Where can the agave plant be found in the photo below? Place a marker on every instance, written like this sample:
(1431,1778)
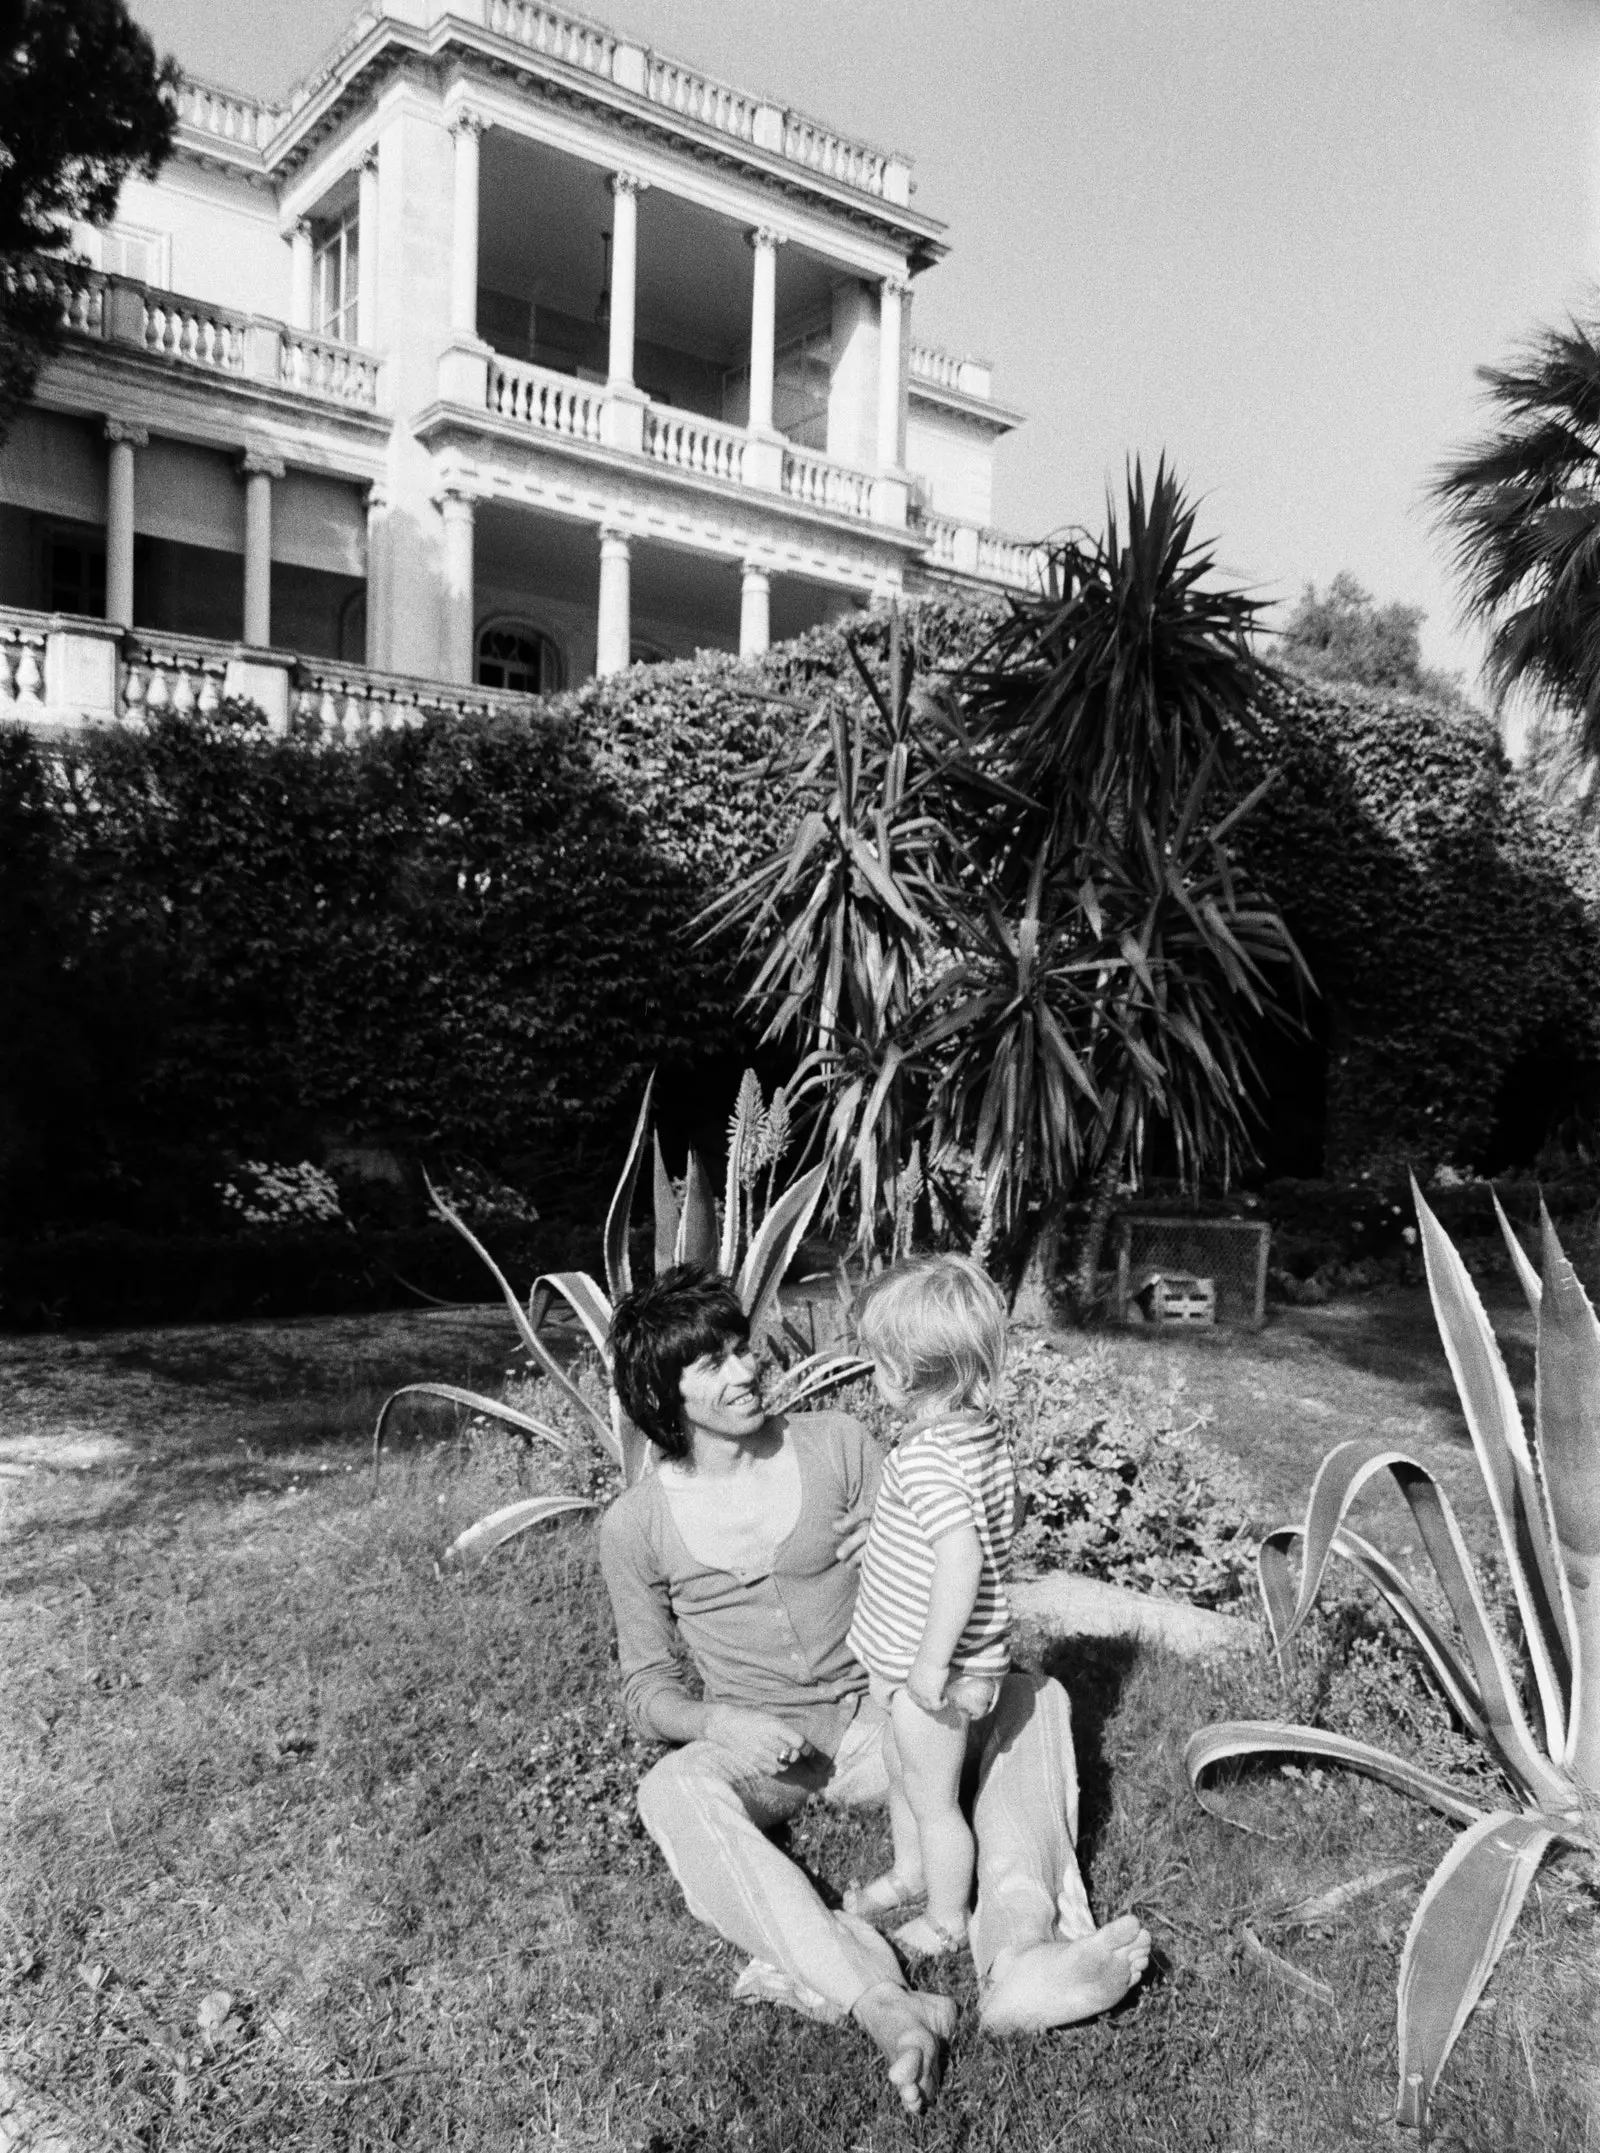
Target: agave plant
(1545,1499)
(760,1231)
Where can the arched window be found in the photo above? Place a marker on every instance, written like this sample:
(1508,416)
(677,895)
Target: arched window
(513,655)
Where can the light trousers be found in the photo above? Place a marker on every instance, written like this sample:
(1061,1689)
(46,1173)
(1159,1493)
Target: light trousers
(710,1817)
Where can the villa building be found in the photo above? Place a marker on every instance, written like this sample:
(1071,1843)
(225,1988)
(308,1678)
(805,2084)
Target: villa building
(505,352)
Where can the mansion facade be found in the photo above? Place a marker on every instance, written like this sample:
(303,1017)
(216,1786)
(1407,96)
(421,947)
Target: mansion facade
(506,352)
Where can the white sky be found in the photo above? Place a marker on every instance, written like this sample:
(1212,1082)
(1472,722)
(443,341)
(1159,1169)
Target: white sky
(1272,237)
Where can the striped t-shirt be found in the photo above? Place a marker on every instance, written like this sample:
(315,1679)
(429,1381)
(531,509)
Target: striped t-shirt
(950,1474)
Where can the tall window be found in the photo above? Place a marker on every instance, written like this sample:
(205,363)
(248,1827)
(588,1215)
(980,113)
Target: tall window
(335,274)
(127,250)
(511,655)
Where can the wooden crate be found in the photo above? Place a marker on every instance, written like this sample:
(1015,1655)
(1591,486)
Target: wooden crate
(1181,1300)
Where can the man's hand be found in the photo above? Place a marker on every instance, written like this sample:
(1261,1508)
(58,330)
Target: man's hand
(759,1741)
(850,1534)
(926,1683)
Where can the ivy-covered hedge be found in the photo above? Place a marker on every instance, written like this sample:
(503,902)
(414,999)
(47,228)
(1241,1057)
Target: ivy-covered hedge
(1452,922)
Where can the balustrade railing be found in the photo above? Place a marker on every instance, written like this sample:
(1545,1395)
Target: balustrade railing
(322,366)
(201,335)
(930,364)
(65,670)
(821,484)
(226,116)
(193,332)
(1013,561)
(536,396)
(690,443)
(698,97)
(833,155)
(941,531)
(547,29)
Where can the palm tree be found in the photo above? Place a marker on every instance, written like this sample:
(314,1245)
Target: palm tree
(1522,510)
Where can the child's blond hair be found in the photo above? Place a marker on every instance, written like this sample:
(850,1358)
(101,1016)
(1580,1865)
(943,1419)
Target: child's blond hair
(937,1325)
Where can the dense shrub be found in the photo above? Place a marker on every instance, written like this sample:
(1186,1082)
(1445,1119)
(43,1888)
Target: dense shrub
(1451,919)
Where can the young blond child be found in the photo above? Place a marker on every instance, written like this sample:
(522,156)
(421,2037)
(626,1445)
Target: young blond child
(932,1624)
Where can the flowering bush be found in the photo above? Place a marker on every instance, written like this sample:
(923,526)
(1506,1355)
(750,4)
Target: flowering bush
(263,1194)
(1119,1479)
(482,1197)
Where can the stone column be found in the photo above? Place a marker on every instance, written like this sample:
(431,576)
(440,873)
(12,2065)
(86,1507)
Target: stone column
(625,189)
(259,470)
(614,631)
(367,252)
(457,506)
(377,650)
(467,128)
(893,294)
(123,440)
(764,245)
(300,266)
(755,611)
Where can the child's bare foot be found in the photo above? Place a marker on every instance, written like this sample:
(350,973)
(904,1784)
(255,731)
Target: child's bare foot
(885,1894)
(926,1938)
(911,2029)
(1065,1980)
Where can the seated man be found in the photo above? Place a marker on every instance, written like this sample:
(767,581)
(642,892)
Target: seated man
(738,1545)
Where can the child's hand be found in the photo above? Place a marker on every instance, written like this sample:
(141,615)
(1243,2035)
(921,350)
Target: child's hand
(926,1683)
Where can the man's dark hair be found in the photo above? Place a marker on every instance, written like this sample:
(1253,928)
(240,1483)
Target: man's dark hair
(658,1331)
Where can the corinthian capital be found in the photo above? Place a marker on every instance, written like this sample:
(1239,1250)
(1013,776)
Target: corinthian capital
(764,236)
(468,122)
(897,287)
(628,183)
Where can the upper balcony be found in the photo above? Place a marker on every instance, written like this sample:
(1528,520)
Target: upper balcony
(176,342)
(553,53)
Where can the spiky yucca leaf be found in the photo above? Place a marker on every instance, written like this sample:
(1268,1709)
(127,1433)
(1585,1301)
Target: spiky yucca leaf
(1229,1739)
(499,1526)
(772,1251)
(1527,1276)
(817,1372)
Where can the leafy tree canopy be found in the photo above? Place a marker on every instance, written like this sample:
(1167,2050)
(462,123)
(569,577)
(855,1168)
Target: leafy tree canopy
(83,102)
(1342,633)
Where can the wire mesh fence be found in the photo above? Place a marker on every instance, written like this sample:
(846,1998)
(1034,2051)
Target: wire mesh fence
(1159,1260)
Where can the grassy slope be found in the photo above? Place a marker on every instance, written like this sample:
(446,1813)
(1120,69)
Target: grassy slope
(266,1748)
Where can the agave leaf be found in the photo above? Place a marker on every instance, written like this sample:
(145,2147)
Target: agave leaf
(1450,1670)
(772,1251)
(1456,1937)
(697,1227)
(525,1330)
(1569,1451)
(1494,1422)
(1229,1738)
(1527,1276)
(1342,1475)
(619,1270)
(583,1296)
(475,1402)
(666,1210)
(819,1372)
(500,1525)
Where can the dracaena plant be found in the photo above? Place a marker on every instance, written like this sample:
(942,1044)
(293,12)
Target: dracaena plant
(1545,1498)
(761,1227)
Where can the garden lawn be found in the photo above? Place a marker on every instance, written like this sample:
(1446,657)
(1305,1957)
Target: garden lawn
(314,1843)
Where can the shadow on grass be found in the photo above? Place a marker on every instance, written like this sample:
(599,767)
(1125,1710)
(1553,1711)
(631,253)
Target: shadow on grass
(1094,1672)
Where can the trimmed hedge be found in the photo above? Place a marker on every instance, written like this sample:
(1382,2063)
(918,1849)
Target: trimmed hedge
(469,938)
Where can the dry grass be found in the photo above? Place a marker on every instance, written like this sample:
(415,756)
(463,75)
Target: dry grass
(267,1750)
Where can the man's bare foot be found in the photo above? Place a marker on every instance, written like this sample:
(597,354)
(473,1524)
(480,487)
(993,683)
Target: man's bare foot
(926,1938)
(911,2029)
(885,1894)
(1058,1983)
